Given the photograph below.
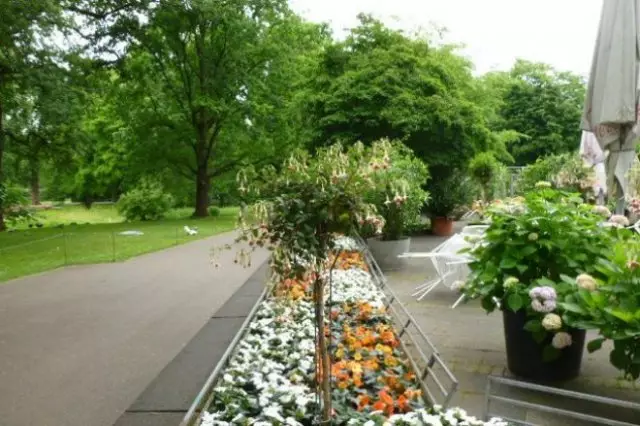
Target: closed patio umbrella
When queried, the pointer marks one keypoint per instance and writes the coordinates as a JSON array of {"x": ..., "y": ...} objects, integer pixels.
[{"x": 610, "y": 110}]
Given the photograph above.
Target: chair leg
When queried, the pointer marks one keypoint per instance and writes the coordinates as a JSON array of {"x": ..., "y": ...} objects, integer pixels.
[
  {"x": 418, "y": 290},
  {"x": 423, "y": 295},
  {"x": 460, "y": 299}
]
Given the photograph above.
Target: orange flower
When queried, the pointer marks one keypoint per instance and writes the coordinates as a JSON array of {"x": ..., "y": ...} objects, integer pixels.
[
  {"x": 385, "y": 397},
  {"x": 403, "y": 403},
  {"x": 357, "y": 380},
  {"x": 379, "y": 406},
  {"x": 409, "y": 376},
  {"x": 388, "y": 337},
  {"x": 343, "y": 384},
  {"x": 363, "y": 402},
  {"x": 371, "y": 364}
]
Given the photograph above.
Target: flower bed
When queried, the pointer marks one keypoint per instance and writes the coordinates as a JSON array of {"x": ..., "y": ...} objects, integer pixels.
[{"x": 270, "y": 380}]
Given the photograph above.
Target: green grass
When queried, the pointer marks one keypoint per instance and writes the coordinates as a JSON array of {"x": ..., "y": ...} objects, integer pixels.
[{"x": 95, "y": 239}]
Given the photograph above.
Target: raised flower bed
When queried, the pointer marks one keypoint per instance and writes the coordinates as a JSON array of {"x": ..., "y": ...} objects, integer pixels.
[{"x": 270, "y": 379}]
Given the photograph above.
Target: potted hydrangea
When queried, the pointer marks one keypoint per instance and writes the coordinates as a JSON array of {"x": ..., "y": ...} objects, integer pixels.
[
  {"x": 519, "y": 269},
  {"x": 398, "y": 197}
]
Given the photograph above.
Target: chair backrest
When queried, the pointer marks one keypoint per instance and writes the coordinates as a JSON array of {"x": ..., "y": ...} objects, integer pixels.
[{"x": 454, "y": 244}]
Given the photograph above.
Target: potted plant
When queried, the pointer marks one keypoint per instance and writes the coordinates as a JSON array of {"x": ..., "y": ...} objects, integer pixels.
[
  {"x": 398, "y": 197},
  {"x": 609, "y": 304},
  {"x": 446, "y": 195},
  {"x": 519, "y": 269}
]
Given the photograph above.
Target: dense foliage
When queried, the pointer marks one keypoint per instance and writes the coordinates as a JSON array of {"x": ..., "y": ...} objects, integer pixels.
[{"x": 192, "y": 92}]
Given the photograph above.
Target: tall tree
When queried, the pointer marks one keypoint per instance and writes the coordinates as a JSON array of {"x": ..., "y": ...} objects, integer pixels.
[
  {"x": 543, "y": 106},
  {"x": 24, "y": 30},
  {"x": 383, "y": 83},
  {"x": 196, "y": 69}
]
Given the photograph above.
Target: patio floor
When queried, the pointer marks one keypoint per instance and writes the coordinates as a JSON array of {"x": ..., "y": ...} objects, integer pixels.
[{"x": 472, "y": 345}]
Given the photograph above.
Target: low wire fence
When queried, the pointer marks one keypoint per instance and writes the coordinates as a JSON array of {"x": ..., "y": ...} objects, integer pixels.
[{"x": 27, "y": 252}]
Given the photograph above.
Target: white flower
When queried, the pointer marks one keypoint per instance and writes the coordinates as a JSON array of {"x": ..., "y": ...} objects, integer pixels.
[
  {"x": 602, "y": 211},
  {"x": 543, "y": 184},
  {"x": 458, "y": 285},
  {"x": 510, "y": 283},
  {"x": 533, "y": 236},
  {"x": 561, "y": 340},
  {"x": 586, "y": 282},
  {"x": 619, "y": 220},
  {"x": 552, "y": 322}
]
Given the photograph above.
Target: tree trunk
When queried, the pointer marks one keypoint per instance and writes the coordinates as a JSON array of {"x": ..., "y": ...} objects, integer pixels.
[
  {"x": 2, "y": 224},
  {"x": 202, "y": 192},
  {"x": 324, "y": 384},
  {"x": 35, "y": 181}
]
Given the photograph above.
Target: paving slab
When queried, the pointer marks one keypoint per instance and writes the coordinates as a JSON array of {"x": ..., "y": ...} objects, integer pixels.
[
  {"x": 180, "y": 381},
  {"x": 78, "y": 345},
  {"x": 150, "y": 419}
]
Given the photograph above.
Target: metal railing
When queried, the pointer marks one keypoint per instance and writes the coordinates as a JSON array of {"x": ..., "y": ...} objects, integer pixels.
[
  {"x": 436, "y": 379},
  {"x": 491, "y": 397}
]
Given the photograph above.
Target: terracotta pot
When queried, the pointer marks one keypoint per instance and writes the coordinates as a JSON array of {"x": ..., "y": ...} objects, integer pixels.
[
  {"x": 442, "y": 226},
  {"x": 524, "y": 354}
]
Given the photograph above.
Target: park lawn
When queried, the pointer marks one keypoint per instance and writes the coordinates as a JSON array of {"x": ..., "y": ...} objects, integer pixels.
[{"x": 29, "y": 251}]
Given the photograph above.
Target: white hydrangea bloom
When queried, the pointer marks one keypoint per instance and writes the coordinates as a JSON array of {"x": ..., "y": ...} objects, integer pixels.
[
  {"x": 552, "y": 322},
  {"x": 561, "y": 340}
]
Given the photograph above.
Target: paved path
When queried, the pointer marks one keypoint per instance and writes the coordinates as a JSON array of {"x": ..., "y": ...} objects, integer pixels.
[{"x": 78, "y": 345}]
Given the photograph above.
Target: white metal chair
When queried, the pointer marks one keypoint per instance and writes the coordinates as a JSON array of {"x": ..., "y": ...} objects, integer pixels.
[
  {"x": 449, "y": 264},
  {"x": 475, "y": 230}
]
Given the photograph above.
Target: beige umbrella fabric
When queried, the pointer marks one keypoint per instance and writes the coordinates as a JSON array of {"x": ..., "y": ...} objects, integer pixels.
[{"x": 610, "y": 110}]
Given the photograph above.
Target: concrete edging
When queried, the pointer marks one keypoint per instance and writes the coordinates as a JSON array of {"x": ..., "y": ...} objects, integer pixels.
[{"x": 168, "y": 397}]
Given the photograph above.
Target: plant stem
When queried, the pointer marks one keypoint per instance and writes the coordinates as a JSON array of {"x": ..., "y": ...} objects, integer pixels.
[{"x": 324, "y": 380}]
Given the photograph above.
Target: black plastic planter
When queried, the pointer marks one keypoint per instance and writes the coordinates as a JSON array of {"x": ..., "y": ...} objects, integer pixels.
[{"x": 524, "y": 355}]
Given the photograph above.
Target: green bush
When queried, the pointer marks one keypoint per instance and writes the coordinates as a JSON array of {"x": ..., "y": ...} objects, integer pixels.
[
  {"x": 14, "y": 201},
  {"x": 449, "y": 193},
  {"x": 147, "y": 201},
  {"x": 214, "y": 211},
  {"x": 544, "y": 169},
  {"x": 484, "y": 169}
]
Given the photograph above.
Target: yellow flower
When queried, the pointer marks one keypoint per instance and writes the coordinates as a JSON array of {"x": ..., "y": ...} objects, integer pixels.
[
  {"x": 358, "y": 356},
  {"x": 390, "y": 361},
  {"x": 340, "y": 353}
]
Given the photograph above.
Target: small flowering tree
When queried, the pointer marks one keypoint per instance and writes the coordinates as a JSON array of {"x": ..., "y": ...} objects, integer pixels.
[
  {"x": 301, "y": 208},
  {"x": 397, "y": 193}
]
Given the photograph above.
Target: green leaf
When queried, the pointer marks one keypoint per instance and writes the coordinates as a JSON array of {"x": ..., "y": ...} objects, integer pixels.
[
  {"x": 488, "y": 304},
  {"x": 618, "y": 359},
  {"x": 528, "y": 250},
  {"x": 544, "y": 281},
  {"x": 539, "y": 336},
  {"x": 595, "y": 344},
  {"x": 573, "y": 307},
  {"x": 515, "y": 302},
  {"x": 522, "y": 268},
  {"x": 549, "y": 353},
  {"x": 621, "y": 315},
  {"x": 508, "y": 263},
  {"x": 533, "y": 326}
]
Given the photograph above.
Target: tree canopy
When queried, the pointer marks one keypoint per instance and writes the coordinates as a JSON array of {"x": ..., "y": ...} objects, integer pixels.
[{"x": 98, "y": 95}]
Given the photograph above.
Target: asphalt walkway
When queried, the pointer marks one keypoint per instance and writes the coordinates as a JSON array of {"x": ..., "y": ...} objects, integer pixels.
[{"x": 78, "y": 345}]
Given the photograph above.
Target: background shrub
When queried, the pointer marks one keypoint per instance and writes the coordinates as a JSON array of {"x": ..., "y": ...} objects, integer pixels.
[{"x": 147, "y": 201}]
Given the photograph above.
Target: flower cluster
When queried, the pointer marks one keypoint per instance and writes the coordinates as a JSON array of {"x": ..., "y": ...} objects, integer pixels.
[
  {"x": 271, "y": 377},
  {"x": 543, "y": 299}
]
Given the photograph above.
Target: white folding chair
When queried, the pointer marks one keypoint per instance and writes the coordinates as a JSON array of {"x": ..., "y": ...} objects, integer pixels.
[
  {"x": 448, "y": 263},
  {"x": 475, "y": 230}
]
